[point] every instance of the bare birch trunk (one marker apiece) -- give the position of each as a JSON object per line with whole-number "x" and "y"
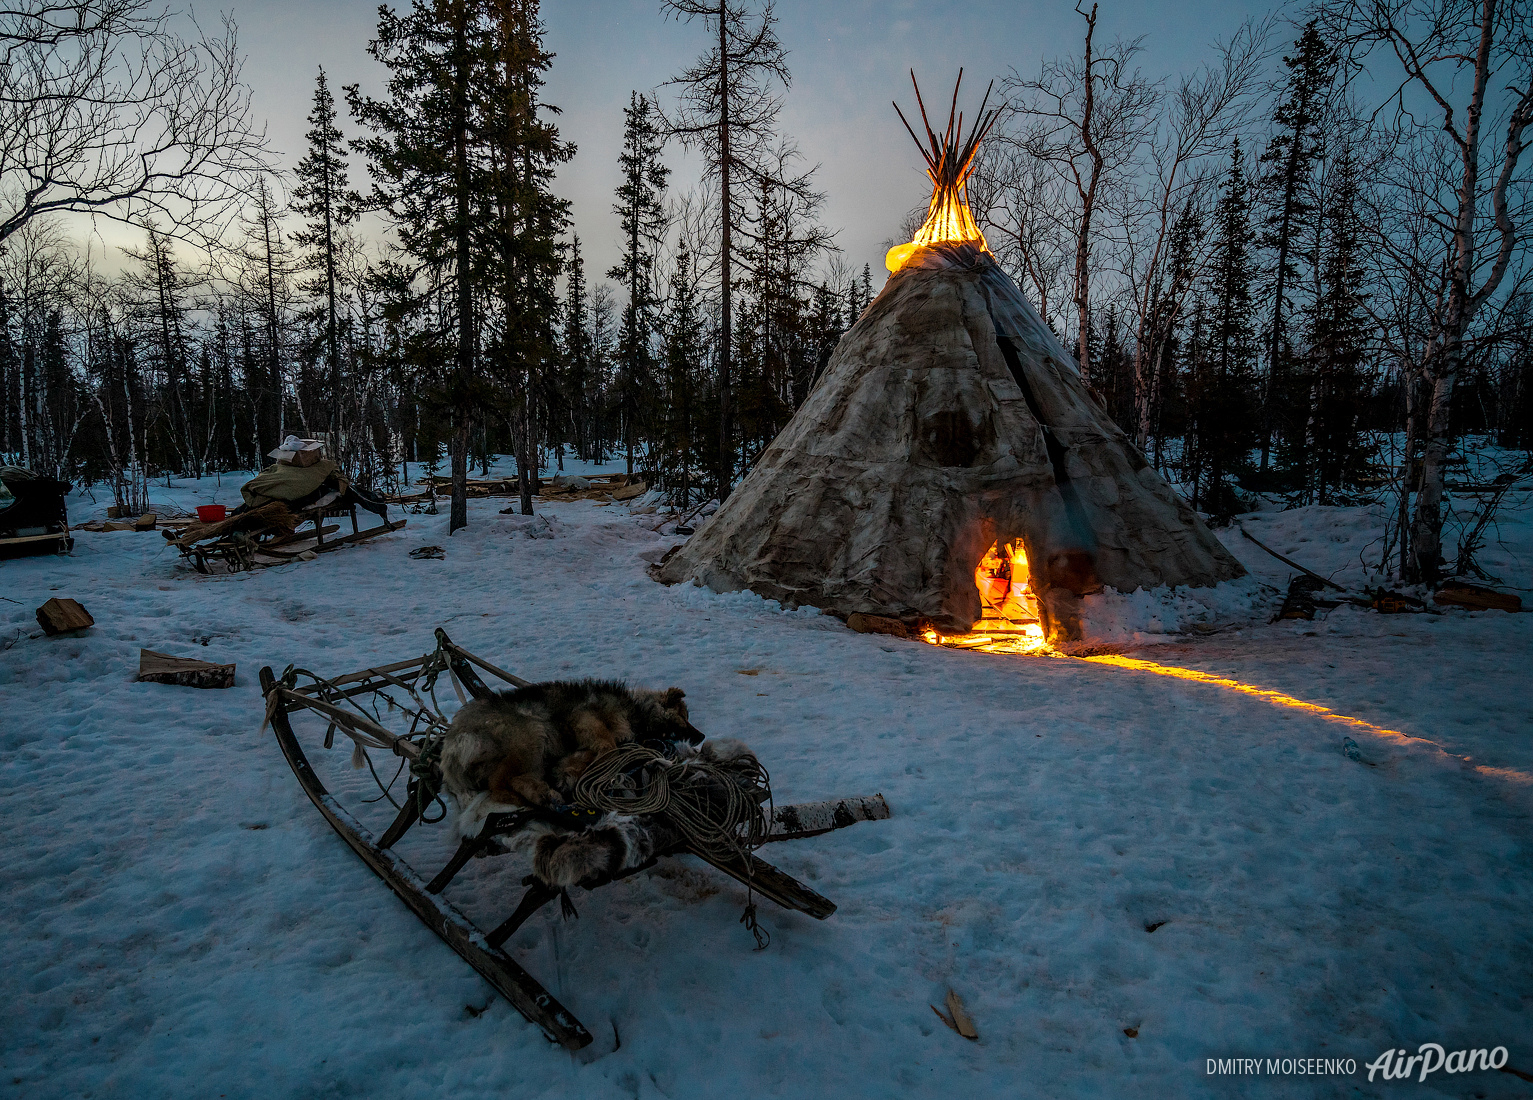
{"x": 726, "y": 418}
{"x": 1088, "y": 203}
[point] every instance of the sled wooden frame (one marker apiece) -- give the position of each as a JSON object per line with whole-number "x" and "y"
{"x": 484, "y": 950}
{"x": 239, "y": 553}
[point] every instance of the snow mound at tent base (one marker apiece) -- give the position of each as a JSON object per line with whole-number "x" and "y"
{"x": 1167, "y": 613}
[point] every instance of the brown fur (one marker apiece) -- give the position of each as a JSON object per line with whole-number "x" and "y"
{"x": 527, "y": 747}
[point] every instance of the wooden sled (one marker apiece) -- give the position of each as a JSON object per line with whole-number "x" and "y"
{"x": 336, "y": 701}
{"x": 255, "y": 540}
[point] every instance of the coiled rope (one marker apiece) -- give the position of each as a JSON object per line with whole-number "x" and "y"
{"x": 714, "y": 805}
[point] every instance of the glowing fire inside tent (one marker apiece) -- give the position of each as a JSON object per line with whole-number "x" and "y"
{"x": 948, "y": 165}
{"x": 1009, "y": 620}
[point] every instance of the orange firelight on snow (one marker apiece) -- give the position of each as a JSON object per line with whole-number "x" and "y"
{"x": 948, "y": 164}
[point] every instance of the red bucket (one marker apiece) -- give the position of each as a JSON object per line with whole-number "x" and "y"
{"x": 211, "y": 513}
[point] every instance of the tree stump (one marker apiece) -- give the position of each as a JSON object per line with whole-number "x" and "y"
{"x": 61, "y": 616}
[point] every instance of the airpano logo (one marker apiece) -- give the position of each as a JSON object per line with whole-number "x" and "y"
{"x": 1399, "y": 1065}
{"x": 1393, "y": 1065}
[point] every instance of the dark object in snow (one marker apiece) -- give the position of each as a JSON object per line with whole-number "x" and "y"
{"x": 33, "y": 516}
{"x": 1131, "y": 1032}
{"x": 337, "y": 703}
{"x": 1386, "y": 602}
{"x": 1302, "y": 601}
{"x": 1475, "y": 597}
{"x": 683, "y": 531}
{"x": 162, "y": 668}
{"x": 422, "y": 553}
{"x": 1350, "y": 750}
{"x": 62, "y": 616}
{"x": 877, "y": 624}
{"x": 1153, "y": 925}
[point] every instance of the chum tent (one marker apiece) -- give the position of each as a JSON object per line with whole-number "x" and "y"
{"x": 948, "y": 422}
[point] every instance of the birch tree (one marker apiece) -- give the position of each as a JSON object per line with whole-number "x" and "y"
{"x": 105, "y": 109}
{"x": 1087, "y": 116}
{"x": 1470, "y": 64}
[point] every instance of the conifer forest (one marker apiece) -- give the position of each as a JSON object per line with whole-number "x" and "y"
{"x": 1278, "y": 277}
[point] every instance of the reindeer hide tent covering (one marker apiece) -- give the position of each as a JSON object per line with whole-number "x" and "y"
{"x": 949, "y": 419}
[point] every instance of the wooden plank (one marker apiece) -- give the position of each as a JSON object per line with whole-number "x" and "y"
{"x": 19, "y": 539}
{"x": 441, "y": 916}
{"x": 375, "y": 670}
{"x": 1475, "y": 597}
{"x": 771, "y": 883}
{"x": 298, "y": 536}
{"x": 481, "y": 662}
{"x": 60, "y": 616}
{"x": 162, "y": 668}
{"x": 348, "y": 540}
{"x": 808, "y": 819}
{"x": 358, "y": 722}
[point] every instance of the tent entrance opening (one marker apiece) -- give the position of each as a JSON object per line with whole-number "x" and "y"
{"x": 1009, "y": 605}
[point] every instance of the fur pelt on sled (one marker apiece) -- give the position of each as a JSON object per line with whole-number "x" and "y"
{"x": 527, "y": 747}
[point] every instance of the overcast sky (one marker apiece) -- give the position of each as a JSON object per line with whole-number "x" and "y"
{"x": 849, "y": 58}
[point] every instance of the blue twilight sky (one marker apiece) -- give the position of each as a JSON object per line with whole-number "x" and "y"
{"x": 849, "y": 58}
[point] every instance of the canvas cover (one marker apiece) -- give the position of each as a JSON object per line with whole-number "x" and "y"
{"x": 280, "y": 481}
{"x": 949, "y": 418}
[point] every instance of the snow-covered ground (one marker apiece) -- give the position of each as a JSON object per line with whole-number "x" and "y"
{"x": 180, "y": 922}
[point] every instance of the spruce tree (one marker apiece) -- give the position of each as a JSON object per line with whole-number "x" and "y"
{"x": 1334, "y": 455}
{"x": 523, "y": 150}
{"x": 578, "y": 365}
{"x": 683, "y": 435}
{"x": 324, "y": 199}
{"x": 728, "y": 111}
{"x": 429, "y": 174}
{"x": 1222, "y": 399}
{"x": 1287, "y": 184}
{"x": 641, "y": 207}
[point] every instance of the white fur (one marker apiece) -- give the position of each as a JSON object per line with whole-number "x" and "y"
{"x": 721, "y": 750}
{"x": 470, "y": 815}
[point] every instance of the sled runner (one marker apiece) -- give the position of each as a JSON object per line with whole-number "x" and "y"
{"x": 351, "y": 704}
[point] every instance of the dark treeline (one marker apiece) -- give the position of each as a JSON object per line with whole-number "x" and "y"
{"x": 1271, "y": 285}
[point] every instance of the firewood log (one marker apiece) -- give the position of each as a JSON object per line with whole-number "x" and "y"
{"x": 162, "y": 668}
{"x": 61, "y": 616}
{"x": 1475, "y": 598}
